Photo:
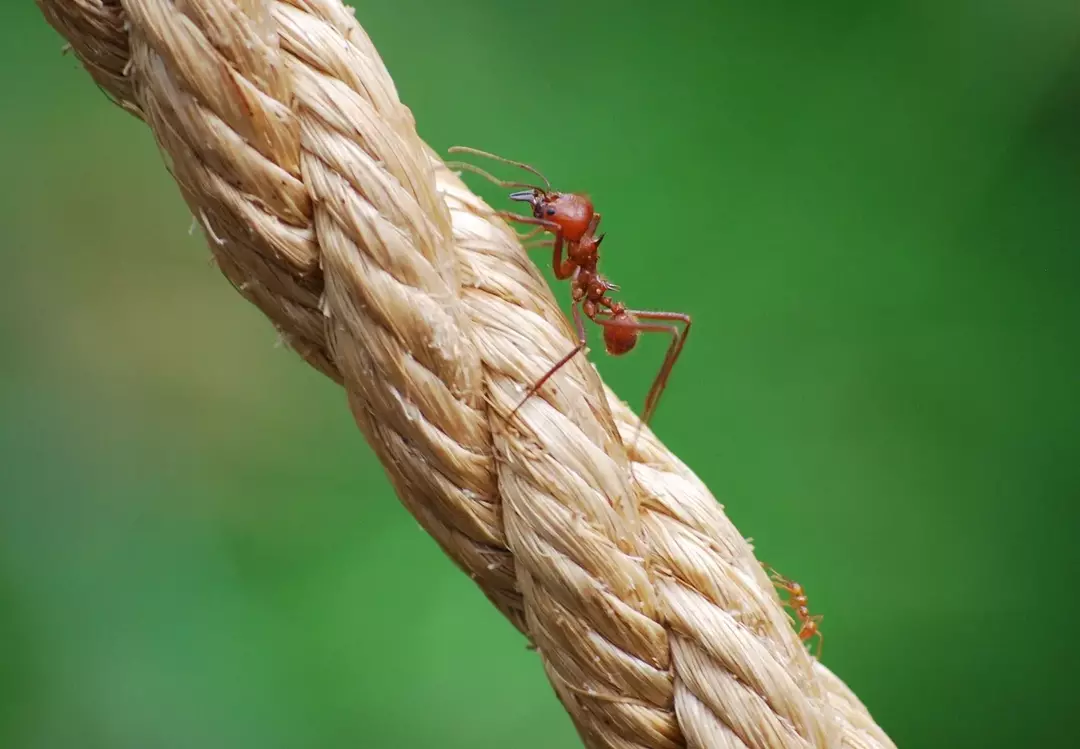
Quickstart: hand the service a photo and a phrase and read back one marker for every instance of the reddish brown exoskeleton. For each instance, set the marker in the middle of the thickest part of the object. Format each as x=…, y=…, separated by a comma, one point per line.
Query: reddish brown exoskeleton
x=809, y=624
x=572, y=221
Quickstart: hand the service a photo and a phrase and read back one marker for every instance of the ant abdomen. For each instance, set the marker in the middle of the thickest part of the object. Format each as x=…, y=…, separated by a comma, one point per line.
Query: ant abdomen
x=620, y=339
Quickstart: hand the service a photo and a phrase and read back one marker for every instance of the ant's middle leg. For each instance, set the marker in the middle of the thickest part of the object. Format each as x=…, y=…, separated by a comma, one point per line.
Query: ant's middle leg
x=523, y=238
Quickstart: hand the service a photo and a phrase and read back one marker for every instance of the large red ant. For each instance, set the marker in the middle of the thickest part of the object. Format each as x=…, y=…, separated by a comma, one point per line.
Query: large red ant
x=809, y=624
x=570, y=218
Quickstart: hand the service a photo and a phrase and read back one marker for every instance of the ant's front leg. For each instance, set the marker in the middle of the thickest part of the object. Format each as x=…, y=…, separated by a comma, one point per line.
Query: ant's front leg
x=563, y=268
x=542, y=224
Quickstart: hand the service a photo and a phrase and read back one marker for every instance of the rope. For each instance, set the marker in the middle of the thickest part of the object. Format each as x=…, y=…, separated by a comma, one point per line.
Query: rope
x=321, y=205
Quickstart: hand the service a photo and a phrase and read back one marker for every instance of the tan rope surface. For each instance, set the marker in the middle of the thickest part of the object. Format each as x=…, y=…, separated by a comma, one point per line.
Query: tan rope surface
x=654, y=622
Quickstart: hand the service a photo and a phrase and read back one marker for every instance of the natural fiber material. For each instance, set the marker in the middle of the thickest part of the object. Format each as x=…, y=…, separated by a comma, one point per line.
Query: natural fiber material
x=654, y=622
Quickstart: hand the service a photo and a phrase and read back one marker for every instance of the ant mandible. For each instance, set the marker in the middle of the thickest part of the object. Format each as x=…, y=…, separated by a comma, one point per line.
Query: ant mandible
x=809, y=624
x=573, y=222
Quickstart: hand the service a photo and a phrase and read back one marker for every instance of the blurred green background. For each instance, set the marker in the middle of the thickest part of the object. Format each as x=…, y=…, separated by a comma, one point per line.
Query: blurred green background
x=872, y=211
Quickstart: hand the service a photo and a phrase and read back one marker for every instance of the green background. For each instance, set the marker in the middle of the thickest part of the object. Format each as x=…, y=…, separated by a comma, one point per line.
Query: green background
x=872, y=211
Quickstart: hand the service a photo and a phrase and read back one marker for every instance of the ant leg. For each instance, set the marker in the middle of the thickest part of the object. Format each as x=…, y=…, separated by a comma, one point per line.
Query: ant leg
x=609, y=322
x=542, y=223
x=563, y=268
x=678, y=340
x=530, y=234
x=672, y=356
x=485, y=154
x=579, y=324
x=778, y=581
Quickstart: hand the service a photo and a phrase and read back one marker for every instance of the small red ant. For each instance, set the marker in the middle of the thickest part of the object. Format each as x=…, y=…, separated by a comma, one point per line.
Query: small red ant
x=573, y=222
x=809, y=625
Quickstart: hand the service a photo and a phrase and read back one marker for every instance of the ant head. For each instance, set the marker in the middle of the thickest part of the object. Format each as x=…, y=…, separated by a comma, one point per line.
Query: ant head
x=572, y=212
x=620, y=337
x=545, y=205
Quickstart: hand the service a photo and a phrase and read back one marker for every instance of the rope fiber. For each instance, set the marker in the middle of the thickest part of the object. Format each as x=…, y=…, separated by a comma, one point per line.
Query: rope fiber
x=322, y=206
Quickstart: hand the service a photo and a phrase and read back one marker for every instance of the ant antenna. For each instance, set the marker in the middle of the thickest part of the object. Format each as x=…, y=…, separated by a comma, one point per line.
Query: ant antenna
x=518, y=164
x=490, y=177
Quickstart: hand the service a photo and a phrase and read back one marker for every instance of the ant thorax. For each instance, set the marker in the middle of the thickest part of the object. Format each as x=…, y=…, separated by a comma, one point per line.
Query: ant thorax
x=585, y=252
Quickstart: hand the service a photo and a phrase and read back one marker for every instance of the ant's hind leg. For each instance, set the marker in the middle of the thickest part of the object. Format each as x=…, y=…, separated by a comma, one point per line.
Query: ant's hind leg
x=579, y=324
x=660, y=322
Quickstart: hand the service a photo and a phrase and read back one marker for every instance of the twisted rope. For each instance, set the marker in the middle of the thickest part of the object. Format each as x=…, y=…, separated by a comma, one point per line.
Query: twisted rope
x=321, y=205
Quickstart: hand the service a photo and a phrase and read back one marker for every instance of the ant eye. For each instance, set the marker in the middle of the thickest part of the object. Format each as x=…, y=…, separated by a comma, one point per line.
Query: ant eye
x=551, y=211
